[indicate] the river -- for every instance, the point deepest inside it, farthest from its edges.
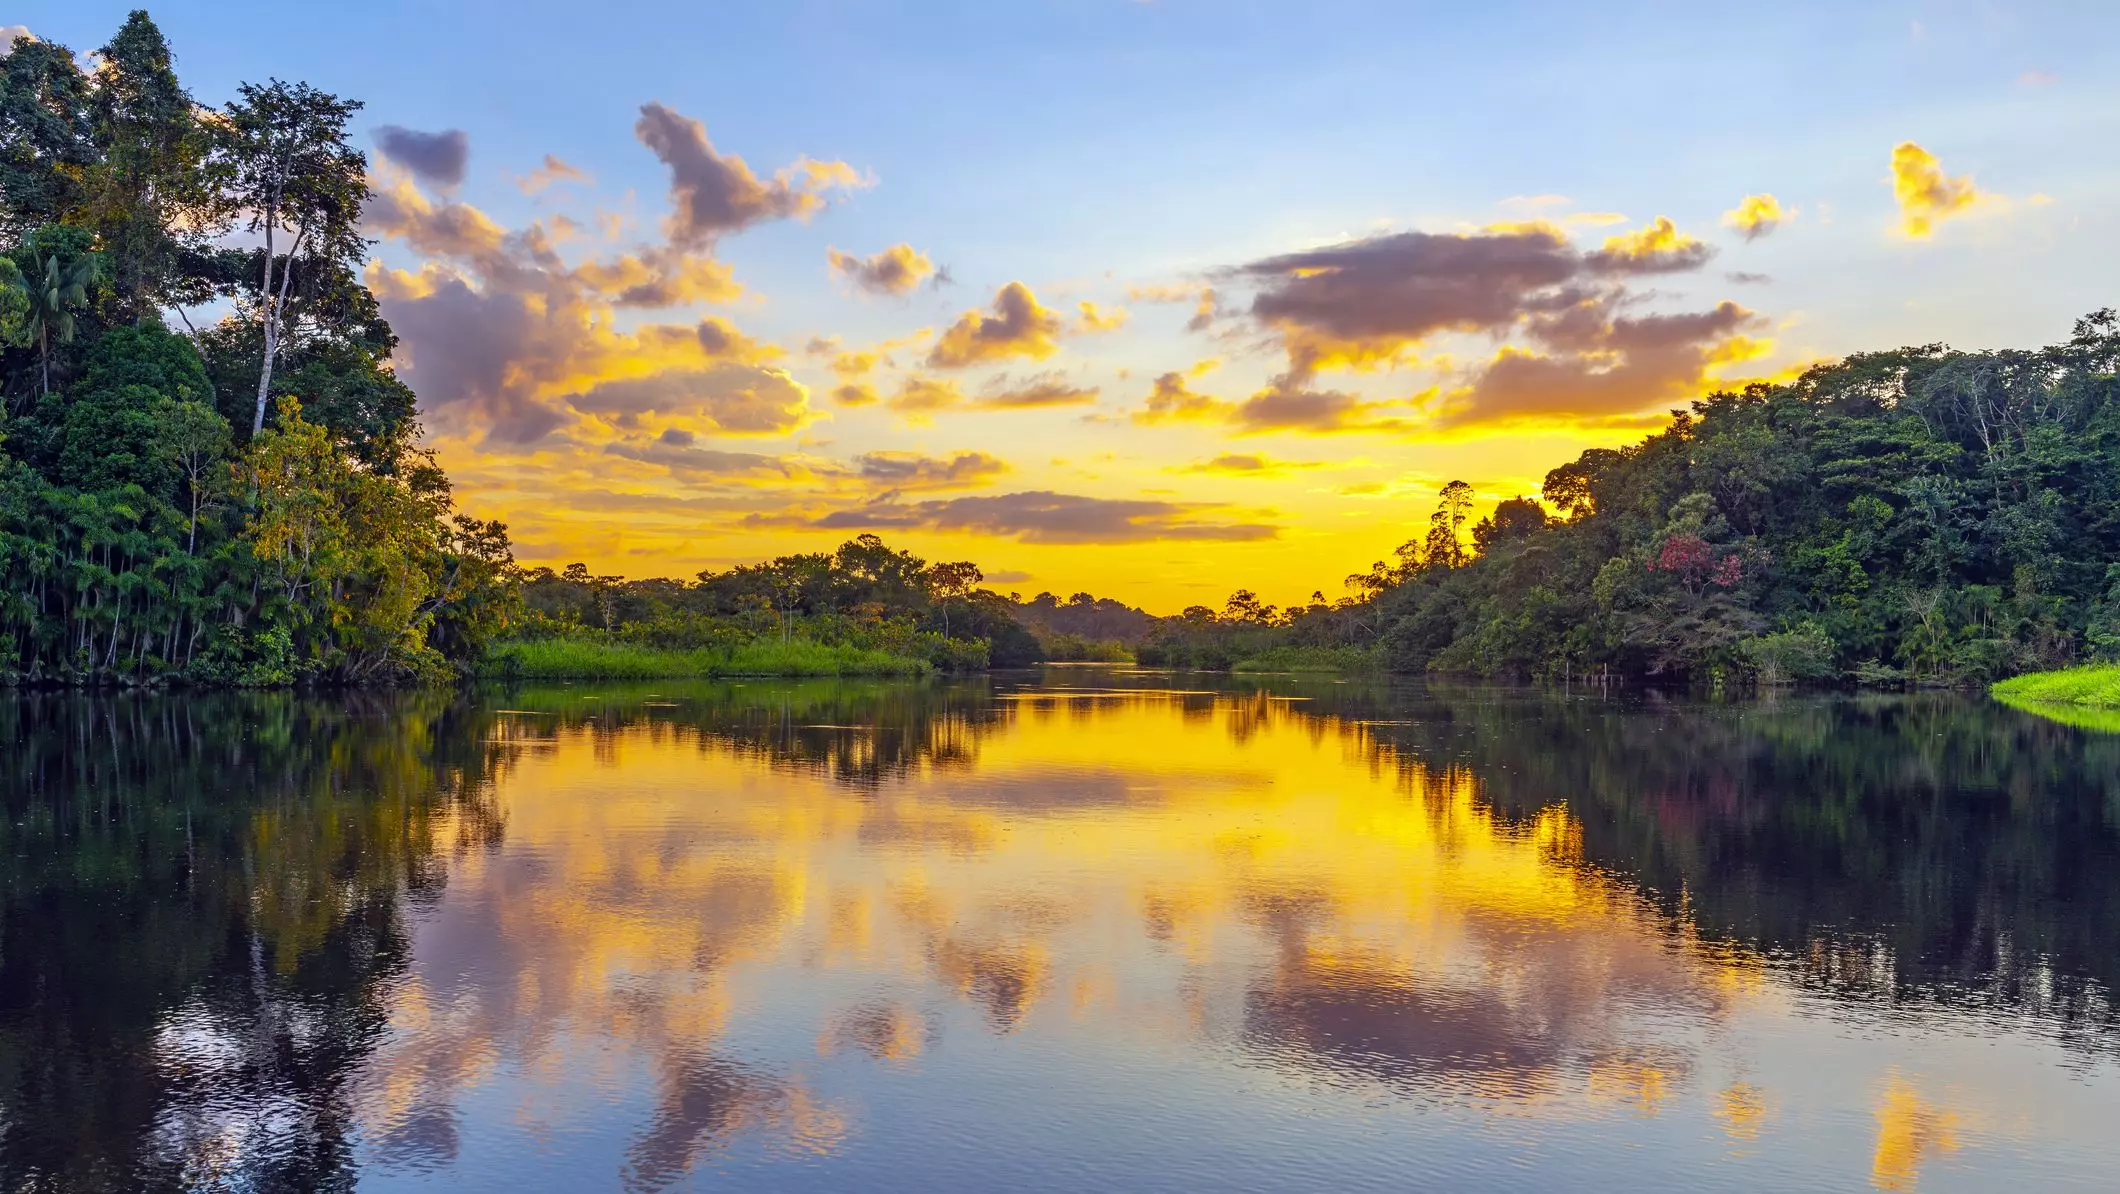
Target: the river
(1082, 929)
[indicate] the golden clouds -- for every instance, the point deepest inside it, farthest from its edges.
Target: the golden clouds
(1050, 388)
(897, 270)
(1173, 400)
(1247, 464)
(921, 396)
(660, 278)
(1018, 327)
(1658, 247)
(901, 471)
(1096, 319)
(1757, 216)
(1927, 196)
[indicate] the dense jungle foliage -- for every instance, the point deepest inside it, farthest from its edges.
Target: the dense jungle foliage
(243, 502)
(1914, 516)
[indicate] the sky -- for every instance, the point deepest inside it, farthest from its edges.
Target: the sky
(1156, 300)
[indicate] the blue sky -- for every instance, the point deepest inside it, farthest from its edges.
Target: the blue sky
(1086, 147)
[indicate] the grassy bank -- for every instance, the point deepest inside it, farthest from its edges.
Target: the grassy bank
(579, 659)
(2094, 686)
(1335, 660)
(2087, 697)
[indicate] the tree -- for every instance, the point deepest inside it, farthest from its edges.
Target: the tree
(952, 583)
(57, 286)
(292, 173)
(46, 140)
(148, 196)
(197, 437)
(1446, 527)
(1515, 518)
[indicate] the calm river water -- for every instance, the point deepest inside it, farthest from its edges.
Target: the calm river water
(1090, 930)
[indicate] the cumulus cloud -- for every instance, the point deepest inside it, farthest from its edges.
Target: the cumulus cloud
(500, 335)
(1018, 327)
(10, 34)
(1172, 399)
(1927, 196)
(1757, 216)
(1366, 299)
(549, 173)
(920, 396)
(712, 194)
(1050, 388)
(855, 393)
(734, 398)
(1292, 403)
(1604, 367)
(906, 471)
(1043, 516)
(437, 159)
(660, 276)
(897, 270)
(1367, 302)
(1658, 248)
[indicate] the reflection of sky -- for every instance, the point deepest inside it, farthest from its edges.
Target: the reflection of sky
(1135, 942)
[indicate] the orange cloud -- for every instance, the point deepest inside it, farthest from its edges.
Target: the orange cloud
(1657, 247)
(1757, 216)
(1018, 327)
(920, 396)
(1173, 400)
(1927, 196)
(1096, 320)
(897, 270)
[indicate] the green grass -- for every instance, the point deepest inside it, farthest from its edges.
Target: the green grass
(1341, 660)
(2087, 697)
(585, 659)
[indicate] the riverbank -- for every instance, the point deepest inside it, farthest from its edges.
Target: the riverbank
(2095, 686)
(2087, 697)
(578, 659)
(1341, 661)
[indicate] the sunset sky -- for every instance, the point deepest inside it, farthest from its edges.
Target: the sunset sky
(1157, 300)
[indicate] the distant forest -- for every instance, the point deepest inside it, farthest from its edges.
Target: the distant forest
(247, 502)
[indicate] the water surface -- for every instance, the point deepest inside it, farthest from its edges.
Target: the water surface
(1086, 930)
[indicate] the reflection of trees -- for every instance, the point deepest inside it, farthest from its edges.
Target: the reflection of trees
(201, 902)
(858, 732)
(1937, 847)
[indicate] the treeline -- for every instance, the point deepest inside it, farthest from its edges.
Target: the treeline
(866, 595)
(243, 502)
(1917, 516)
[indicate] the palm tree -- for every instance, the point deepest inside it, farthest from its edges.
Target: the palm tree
(54, 292)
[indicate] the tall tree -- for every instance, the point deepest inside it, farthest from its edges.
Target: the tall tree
(293, 176)
(45, 134)
(149, 197)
